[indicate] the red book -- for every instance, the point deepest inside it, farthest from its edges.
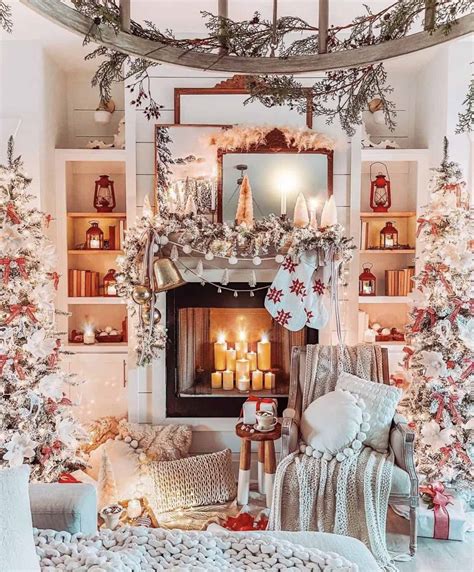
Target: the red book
(88, 283)
(112, 238)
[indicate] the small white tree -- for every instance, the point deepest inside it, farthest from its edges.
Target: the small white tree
(107, 487)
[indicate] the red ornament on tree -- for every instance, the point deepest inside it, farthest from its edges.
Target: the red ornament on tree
(380, 193)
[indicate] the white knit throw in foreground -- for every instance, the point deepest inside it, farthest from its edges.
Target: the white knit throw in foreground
(136, 549)
(349, 497)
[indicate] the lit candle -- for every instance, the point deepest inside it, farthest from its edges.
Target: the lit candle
(300, 215)
(216, 380)
(230, 357)
(264, 353)
(228, 380)
(89, 335)
(134, 508)
(369, 336)
(329, 214)
(283, 202)
(220, 348)
(243, 383)
(242, 346)
(257, 380)
(313, 206)
(94, 243)
(269, 382)
(242, 368)
(252, 357)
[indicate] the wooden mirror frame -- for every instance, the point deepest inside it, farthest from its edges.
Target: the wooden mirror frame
(236, 85)
(275, 142)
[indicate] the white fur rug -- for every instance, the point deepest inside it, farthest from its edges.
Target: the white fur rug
(135, 549)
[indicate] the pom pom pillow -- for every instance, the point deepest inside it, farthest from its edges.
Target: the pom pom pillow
(381, 403)
(334, 425)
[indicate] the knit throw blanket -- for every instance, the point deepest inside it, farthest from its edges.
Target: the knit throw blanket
(136, 549)
(349, 497)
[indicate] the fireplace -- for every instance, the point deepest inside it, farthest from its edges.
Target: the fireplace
(222, 348)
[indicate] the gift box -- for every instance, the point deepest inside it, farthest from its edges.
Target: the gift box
(254, 404)
(440, 514)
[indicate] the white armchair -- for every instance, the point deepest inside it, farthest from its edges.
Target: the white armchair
(404, 489)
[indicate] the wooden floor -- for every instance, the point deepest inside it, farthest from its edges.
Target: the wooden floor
(432, 555)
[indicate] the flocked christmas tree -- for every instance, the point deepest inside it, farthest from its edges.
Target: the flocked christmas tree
(36, 422)
(440, 358)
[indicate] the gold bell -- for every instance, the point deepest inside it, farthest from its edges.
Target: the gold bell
(166, 274)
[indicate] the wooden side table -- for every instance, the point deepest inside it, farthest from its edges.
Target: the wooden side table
(266, 462)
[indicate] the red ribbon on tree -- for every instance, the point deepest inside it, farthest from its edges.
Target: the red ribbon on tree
(11, 214)
(468, 371)
(54, 358)
(455, 448)
(3, 361)
(55, 278)
(440, 500)
(425, 221)
(21, 309)
(420, 316)
(450, 405)
(18, 367)
(20, 262)
(406, 358)
(439, 270)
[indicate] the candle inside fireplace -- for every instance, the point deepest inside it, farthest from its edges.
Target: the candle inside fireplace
(243, 383)
(242, 368)
(252, 357)
(220, 348)
(230, 357)
(257, 380)
(241, 346)
(216, 380)
(264, 354)
(269, 382)
(228, 380)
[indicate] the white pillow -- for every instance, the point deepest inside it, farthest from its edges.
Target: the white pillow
(381, 402)
(334, 424)
(17, 547)
(131, 480)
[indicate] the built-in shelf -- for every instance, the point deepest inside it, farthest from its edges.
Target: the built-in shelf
(387, 215)
(119, 347)
(92, 251)
(95, 300)
(383, 299)
(96, 215)
(389, 251)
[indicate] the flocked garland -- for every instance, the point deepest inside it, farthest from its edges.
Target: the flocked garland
(199, 237)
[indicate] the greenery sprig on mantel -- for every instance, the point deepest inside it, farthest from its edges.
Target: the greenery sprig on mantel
(342, 94)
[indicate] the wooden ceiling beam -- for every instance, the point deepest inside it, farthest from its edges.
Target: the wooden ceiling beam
(60, 13)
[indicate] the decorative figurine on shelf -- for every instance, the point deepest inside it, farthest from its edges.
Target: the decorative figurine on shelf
(367, 281)
(380, 192)
(94, 237)
(104, 195)
(389, 236)
(110, 283)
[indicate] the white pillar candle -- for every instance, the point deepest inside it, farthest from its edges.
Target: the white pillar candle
(257, 380)
(89, 335)
(242, 368)
(313, 206)
(329, 214)
(228, 380)
(216, 380)
(220, 348)
(264, 354)
(243, 383)
(283, 202)
(252, 357)
(241, 346)
(134, 508)
(230, 357)
(269, 382)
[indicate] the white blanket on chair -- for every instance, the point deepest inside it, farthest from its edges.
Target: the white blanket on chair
(136, 549)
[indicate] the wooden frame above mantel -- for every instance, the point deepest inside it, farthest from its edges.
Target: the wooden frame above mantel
(235, 85)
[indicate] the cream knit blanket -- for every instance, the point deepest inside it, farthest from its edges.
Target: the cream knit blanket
(348, 498)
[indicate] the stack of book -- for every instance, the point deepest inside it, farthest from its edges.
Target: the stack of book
(116, 235)
(399, 282)
(83, 283)
(364, 235)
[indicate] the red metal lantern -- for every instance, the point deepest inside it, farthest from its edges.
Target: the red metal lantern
(94, 236)
(389, 236)
(104, 195)
(110, 283)
(380, 194)
(367, 281)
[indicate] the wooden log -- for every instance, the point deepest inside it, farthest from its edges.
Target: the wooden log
(323, 25)
(62, 14)
(125, 15)
(430, 14)
(223, 12)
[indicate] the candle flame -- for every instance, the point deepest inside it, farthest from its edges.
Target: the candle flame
(313, 204)
(264, 337)
(242, 336)
(88, 329)
(221, 338)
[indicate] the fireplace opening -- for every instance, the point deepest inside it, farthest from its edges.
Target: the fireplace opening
(223, 348)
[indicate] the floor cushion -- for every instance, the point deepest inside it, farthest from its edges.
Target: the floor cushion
(64, 507)
(17, 549)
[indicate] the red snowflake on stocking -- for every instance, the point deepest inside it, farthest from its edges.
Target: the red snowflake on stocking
(275, 295)
(297, 287)
(282, 317)
(309, 314)
(318, 287)
(289, 265)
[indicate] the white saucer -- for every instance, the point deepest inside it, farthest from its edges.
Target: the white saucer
(260, 430)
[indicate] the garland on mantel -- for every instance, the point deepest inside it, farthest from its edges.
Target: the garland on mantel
(267, 239)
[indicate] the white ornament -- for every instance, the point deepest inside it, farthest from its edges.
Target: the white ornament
(279, 258)
(433, 363)
(51, 386)
(164, 240)
(20, 447)
(257, 260)
(66, 431)
(233, 260)
(43, 296)
(466, 332)
(417, 299)
(11, 240)
(209, 256)
(39, 345)
(187, 249)
(435, 437)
